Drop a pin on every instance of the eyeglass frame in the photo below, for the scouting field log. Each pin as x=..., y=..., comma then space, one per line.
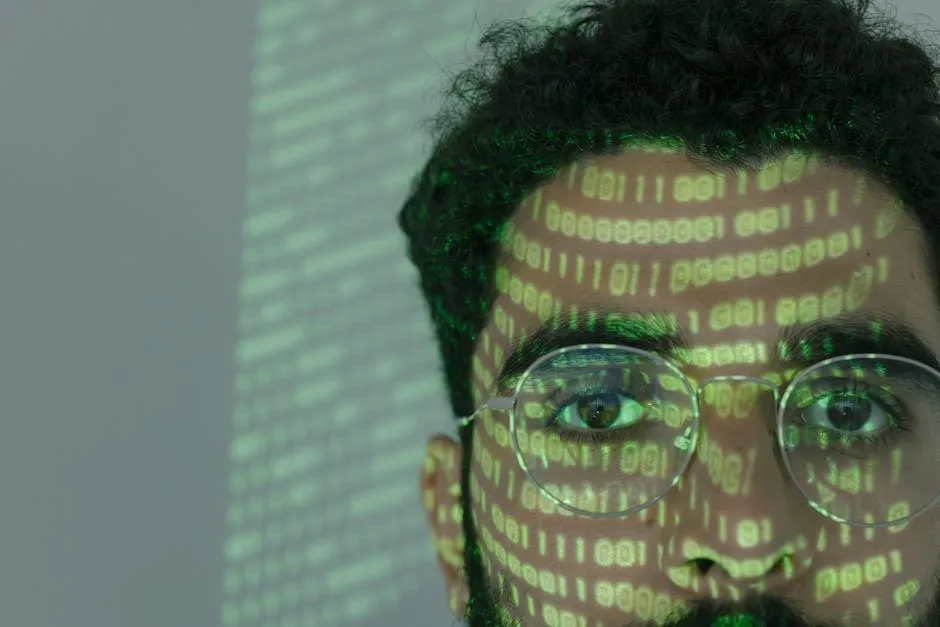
x=508, y=403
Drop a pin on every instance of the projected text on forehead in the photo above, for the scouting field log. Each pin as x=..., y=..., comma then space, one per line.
x=718, y=276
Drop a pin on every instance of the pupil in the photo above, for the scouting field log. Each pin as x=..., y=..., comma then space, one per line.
x=599, y=411
x=849, y=413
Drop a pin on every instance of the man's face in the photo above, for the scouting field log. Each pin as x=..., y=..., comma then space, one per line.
x=736, y=258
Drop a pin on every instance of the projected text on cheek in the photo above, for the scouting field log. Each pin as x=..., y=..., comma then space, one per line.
x=733, y=261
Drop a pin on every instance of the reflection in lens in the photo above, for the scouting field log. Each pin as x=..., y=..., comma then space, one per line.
x=604, y=432
x=609, y=431
x=854, y=435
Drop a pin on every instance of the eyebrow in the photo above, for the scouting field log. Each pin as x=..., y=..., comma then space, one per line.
x=800, y=345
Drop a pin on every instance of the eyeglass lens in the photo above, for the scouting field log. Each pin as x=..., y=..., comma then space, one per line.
x=607, y=431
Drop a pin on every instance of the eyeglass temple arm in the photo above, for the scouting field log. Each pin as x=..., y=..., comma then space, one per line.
x=497, y=403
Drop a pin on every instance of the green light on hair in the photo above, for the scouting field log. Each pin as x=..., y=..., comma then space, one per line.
x=738, y=620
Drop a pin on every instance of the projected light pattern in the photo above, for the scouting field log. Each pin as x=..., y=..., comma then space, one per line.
x=315, y=372
x=657, y=398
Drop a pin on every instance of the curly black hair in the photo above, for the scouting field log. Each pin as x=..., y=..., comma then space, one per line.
x=730, y=83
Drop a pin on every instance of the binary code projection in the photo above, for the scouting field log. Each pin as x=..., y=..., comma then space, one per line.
x=305, y=485
x=704, y=385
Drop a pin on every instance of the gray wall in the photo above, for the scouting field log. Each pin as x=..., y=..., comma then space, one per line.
x=216, y=370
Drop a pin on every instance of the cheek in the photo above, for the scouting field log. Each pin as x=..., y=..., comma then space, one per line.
x=555, y=563
x=510, y=512
x=520, y=531
x=528, y=536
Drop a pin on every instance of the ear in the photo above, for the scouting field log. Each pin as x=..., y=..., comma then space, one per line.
x=440, y=487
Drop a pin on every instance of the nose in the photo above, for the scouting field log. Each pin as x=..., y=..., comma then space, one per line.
x=778, y=572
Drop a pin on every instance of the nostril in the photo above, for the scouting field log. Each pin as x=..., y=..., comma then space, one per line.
x=780, y=566
x=703, y=565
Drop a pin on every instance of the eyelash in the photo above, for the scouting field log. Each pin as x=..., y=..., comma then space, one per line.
x=901, y=422
x=585, y=436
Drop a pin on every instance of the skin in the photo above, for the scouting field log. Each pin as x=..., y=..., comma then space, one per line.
x=809, y=564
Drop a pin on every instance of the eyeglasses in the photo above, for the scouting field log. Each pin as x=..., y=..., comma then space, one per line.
x=859, y=434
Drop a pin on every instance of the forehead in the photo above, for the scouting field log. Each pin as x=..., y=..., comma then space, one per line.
x=646, y=230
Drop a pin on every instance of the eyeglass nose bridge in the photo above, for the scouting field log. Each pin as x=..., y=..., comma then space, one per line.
x=699, y=388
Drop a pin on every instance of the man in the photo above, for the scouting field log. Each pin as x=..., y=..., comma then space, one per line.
x=687, y=247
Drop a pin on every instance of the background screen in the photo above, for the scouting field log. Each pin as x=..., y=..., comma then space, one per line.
x=217, y=371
